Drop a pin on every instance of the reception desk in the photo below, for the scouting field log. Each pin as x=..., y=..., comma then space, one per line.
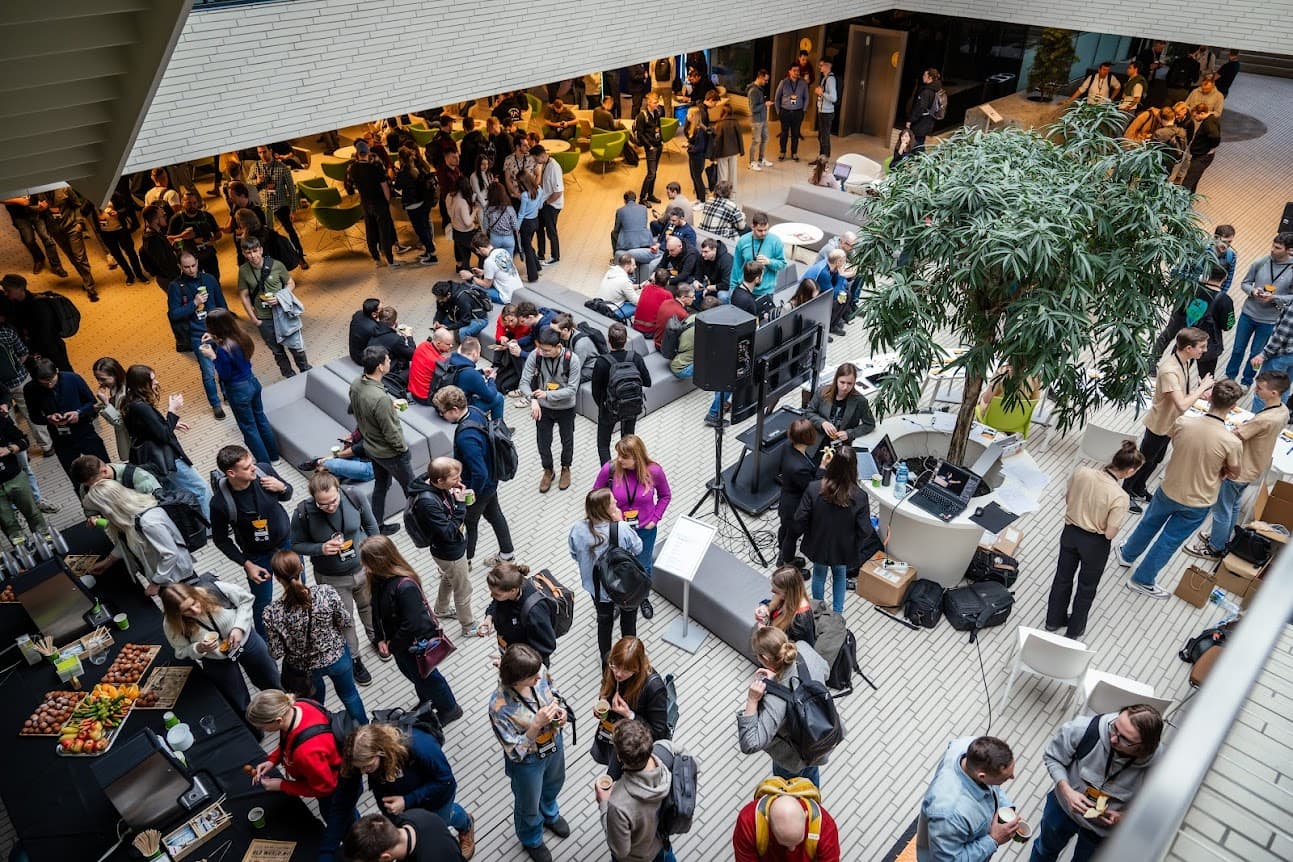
x=940, y=551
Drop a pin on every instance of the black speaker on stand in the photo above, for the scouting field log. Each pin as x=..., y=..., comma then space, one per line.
x=724, y=359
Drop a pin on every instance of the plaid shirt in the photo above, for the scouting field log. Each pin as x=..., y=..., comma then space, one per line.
x=1281, y=341
x=723, y=217
x=510, y=716
x=12, y=373
x=284, y=192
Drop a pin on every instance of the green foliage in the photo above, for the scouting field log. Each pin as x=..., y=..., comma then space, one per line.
x=1053, y=62
x=1054, y=253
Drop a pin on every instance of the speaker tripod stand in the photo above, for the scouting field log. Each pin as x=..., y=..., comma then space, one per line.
x=717, y=488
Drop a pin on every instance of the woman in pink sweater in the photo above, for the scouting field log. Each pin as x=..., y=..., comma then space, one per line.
x=641, y=492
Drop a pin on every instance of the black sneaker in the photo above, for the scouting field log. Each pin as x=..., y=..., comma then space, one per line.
x=390, y=529
x=362, y=676
x=380, y=657
x=539, y=853
x=646, y=609
x=447, y=718
x=218, y=412
x=558, y=827
x=1135, y=508
x=852, y=584
x=308, y=466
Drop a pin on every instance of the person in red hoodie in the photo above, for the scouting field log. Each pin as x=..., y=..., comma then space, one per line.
x=654, y=294
x=426, y=356
x=681, y=298
x=308, y=756
x=787, y=834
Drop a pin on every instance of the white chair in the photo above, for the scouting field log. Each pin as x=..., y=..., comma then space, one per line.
x=1106, y=692
x=1099, y=444
x=1052, y=656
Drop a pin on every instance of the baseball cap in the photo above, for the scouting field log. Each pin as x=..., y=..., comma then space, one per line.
x=361, y=147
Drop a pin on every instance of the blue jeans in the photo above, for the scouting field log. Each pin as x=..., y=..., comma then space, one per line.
x=1225, y=512
x=434, y=688
x=185, y=478
x=207, y=367
x=31, y=474
x=1247, y=329
x=647, y=535
x=839, y=584
x=1055, y=832
x=263, y=594
x=495, y=408
x=535, y=784
x=1176, y=523
x=455, y=815
x=249, y=413
x=354, y=469
x=625, y=311
x=503, y=240
x=473, y=328
x=716, y=408
x=341, y=672
x=1283, y=362
x=495, y=296
x=812, y=773
x=688, y=371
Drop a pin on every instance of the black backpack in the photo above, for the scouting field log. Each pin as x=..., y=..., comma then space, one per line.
x=1205, y=640
x=978, y=606
x=620, y=575
x=586, y=330
x=625, y=397
x=558, y=597
x=679, y=806
x=340, y=725
x=923, y=604
x=412, y=525
x=280, y=249
x=671, y=341
x=1250, y=546
x=992, y=566
x=504, y=459
x=444, y=374
x=185, y=512
x=837, y=645
x=422, y=717
x=812, y=725
x=480, y=301
x=663, y=70
x=68, y=315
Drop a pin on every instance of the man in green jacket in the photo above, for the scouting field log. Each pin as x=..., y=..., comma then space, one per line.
x=379, y=425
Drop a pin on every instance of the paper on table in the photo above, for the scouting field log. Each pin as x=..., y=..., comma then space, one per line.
x=685, y=547
x=944, y=421
x=1016, y=498
x=1027, y=475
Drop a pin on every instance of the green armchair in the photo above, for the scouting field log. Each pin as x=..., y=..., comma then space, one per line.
x=668, y=129
x=606, y=147
x=335, y=170
x=317, y=190
x=336, y=221
x=568, y=161
x=421, y=134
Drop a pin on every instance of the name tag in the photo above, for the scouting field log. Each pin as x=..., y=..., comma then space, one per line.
x=546, y=742
x=200, y=315
x=1094, y=793
x=553, y=386
x=63, y=430
x=347, y=551
x=631, y=517
x=260, y=529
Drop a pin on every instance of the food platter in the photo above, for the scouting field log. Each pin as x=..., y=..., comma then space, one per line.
x=96, y=721
x=131, y=663
x=52, y=713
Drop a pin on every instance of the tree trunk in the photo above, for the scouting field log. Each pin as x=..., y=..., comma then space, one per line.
x=964, y=419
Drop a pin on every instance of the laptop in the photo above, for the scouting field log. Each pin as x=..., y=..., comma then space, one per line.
x=948, y=491
x=884, y=455
x=842, y=171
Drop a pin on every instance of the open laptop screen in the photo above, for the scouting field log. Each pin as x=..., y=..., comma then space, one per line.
x=884, y=454
x=842, y=171
x=953, y=479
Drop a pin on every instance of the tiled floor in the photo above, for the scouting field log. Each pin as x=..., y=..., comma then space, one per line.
x=930, y=685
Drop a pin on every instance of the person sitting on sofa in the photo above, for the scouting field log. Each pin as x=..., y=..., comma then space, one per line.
x=617, y=288
x=654, y=294
x=722, y=216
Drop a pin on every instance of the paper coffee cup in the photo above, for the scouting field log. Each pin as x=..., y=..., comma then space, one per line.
x=1024, y=832
x=603, y=707
x=122, y=621
x=605, y=782
x=256, y=817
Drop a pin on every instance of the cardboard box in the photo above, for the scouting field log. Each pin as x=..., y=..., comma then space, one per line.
x=1275, y=504
x=1237, y=576
x=881, y=585
x=1006, y=542
x=1248, y=596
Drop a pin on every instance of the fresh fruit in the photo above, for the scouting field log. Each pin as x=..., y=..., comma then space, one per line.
x=7, y=594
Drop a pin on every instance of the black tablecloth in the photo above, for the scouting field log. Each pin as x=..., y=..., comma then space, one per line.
x=56, y=806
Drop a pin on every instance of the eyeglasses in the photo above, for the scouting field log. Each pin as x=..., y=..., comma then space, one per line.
x=1115, y=735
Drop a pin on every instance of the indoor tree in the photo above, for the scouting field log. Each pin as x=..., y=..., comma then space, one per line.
x=1058, y=253
x=1053, y=63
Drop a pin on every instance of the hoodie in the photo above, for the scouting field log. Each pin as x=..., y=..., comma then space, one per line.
x=1119, y=778
x=631, y=811
x=441, y=518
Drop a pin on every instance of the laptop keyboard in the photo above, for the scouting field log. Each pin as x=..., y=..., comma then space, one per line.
x=937, y=505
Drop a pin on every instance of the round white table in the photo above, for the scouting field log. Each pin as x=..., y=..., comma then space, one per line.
x=346, y=153
x=794, y=233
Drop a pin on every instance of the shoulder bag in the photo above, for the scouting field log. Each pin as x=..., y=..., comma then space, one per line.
x=297, y=680
x=429, y=652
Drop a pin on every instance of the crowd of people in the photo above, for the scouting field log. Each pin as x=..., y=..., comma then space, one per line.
x=294, y=627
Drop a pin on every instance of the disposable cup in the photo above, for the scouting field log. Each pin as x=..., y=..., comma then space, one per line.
x=122, y=621
x=1024, y=832
x=605, y=782
x=256, y=817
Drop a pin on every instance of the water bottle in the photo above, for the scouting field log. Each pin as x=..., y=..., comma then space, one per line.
x=900, y=481
x=875, y=523
x=1219, y=598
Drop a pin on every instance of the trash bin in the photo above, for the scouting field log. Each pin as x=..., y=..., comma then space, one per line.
x=680, y=114
x=998, y=85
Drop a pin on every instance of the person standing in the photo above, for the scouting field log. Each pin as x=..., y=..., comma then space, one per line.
x=602, y=528
x=1209, y=309
x=195, y=230
x=305, y=629
x=1205, y=453
x=834, y=518
x=1205, y=137
x=1227, y=72
x=761, y=247
x=328, y=527
x=161, y=261
x=528, y=718
x=792, y=835
x=1268, y=288
x=958, y=816
x=838, y=410
x=16, y=495
x=619, y=355
x=416, y=184
x=798, y=469
x=230, y=349
x=1099, y=88
x=471, y=448
x=383, y=435
x=62, y=401
x=553, y=186
x=641, y=492
x=827, y=93
x=367, y=176
x=551, y=374
x=1103, y=757
x=62, y=211
x=34, y=233
x=440, y=509
x=155, y=446
x=792, y=101
x=1176, y=388
x=1259, y=436
x=402, y=621
x=757, y=96
x=249, y=523
x=787, y=607
x=517, y=612
x=925, y=107
x=630, y=809
x=646, y=131
x=635, y=692
x=189, y=299
x=1096, y=507
x=267, y=292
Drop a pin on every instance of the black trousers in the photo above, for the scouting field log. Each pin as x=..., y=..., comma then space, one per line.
x=400, y=467
x=652, y=156
x=1194, y=173
x=565, y=422
x=605, y=428
x=696, y=164
x=1153, y=447
x=1085, y=554
x=606, y=622
x=284, y=216
x=379, y=230
x=788, y=534
x=121, y=246
x=529, y=228
x=824, y=124
x=487, y=504
x=791, y=121
x=548, y=216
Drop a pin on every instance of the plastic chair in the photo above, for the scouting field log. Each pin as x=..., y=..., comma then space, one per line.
x=668, y=130
x=1099, y=443
x=606, y=147
x=335, y=170
x=1010, y=421
x=421, y=134
x=457, y=135
x=568, y=161
x=1052, y=656
x=1106, y=692
x=317, y=190
x=583, y=134
x=337, y=220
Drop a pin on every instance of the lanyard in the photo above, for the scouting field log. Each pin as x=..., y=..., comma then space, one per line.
x=446, y=499
x=532, y=707
x=327, y=517
x=1285, y=268
x=1108, y=764
x=634, y=494
x=211, y=628
x=1185, y=370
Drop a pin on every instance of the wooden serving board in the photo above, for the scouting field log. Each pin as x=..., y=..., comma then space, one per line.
x=151, y=656
x=79, y=564
x=167, y=682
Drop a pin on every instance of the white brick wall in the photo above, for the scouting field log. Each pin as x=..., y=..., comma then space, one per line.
x=243, y=75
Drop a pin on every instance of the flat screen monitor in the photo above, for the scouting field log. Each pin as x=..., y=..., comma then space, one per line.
x=142, y=781
x=842, y=171
x=884, y=455
x=954, y=480
x=56, y=603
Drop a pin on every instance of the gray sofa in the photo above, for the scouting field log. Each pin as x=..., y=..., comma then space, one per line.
x=723, y=596
x=829, y=209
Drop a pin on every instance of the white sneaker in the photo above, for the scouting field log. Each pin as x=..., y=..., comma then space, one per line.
x=1154, y=591
x=1118, y=557
x=754, y=166
x=765, y=163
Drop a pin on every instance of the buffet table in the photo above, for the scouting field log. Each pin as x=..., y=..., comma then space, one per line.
x=57, y=808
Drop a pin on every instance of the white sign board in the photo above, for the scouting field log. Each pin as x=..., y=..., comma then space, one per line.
x=685, y=547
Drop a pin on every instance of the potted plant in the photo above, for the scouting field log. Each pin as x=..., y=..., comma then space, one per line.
x=1052, y=64
x=1054, y=252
